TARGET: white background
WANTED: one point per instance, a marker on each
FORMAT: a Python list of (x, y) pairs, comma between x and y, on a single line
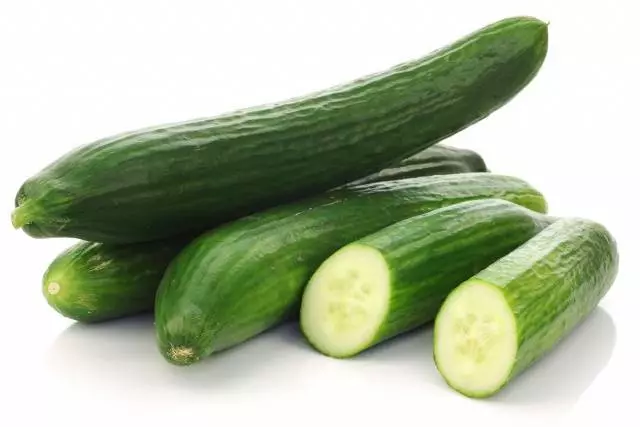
[(75, 71)]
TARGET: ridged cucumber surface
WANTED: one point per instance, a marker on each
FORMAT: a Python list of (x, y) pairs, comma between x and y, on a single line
[(187, 177), (495, 325), (240, 279), (436, 160), (93, 282), (394, 280)]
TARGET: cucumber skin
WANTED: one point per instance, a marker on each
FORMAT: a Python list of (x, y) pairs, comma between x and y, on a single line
[(436, 160), (245, 277), (187, 177), (130, 274), (429, 255), (552, 283), (102, 282)]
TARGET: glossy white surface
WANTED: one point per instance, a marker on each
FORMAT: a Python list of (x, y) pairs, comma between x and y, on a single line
[(75, 71)]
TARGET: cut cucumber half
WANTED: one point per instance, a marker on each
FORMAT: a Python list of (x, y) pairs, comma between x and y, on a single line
[(396, 279), (477, 339), (505, 318), (346, 301)]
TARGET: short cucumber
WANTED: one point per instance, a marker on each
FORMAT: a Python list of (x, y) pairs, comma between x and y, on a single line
[(395, 280), (436, 160), (496, 324), (247, 276), (188, 177), (93, 282)]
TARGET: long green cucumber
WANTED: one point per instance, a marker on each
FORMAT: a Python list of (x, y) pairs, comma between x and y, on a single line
[(394, 280), (504, 319), (247, 276), (436, 160), (91, 282), (190, 176)]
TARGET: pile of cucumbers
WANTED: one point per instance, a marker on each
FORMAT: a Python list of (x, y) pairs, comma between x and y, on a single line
[(341, 210)]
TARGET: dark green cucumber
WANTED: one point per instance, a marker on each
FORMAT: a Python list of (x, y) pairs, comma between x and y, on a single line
[(436, 160), (394, 280), (94, 282), (190, 176), (499, 322), (101, 281), (247, 276)]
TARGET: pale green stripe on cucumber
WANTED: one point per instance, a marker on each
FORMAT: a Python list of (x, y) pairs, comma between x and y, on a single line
[(395, 279), (495, 325)]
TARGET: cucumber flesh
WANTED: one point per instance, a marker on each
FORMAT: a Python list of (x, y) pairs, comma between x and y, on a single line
[(414, 263), (347, 301), (477, 339)]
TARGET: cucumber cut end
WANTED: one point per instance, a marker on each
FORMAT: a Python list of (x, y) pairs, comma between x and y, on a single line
[(346, 301), (475, 339)]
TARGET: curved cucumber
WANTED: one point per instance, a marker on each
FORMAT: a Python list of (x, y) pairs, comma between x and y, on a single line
[(496, 324), (395, 280), (93, 282), (247, 276), (436, 160), (187, 177)]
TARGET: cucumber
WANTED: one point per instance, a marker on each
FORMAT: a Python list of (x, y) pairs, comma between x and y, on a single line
[(186, 177), (93, 282), (436, 160), (246, 276), (394, 280), (498, 323)]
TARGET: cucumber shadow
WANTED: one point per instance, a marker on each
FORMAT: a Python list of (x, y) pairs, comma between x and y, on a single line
[(123, 353), (407, 357), (558, 379), (568, 370)]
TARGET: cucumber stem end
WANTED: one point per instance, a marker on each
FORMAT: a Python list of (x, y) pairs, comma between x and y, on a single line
[(20, 217), (180, 355)]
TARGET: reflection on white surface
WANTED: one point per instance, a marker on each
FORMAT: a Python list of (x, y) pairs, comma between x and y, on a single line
[(123, 355), (559, 379), (567, 371)]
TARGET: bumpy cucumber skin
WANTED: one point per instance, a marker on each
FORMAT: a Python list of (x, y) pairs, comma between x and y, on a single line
[(436, 160), (99, 281), (429, 255), (552, 283), (105, 281), (247, 276), (190, 176)]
